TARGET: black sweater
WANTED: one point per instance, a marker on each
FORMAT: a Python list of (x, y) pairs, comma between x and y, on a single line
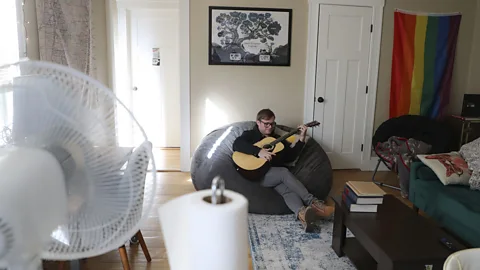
[(245, 142)]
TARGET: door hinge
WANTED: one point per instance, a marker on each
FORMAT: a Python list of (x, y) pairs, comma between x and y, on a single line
[(371, 28), (366, 90), (362, 147)]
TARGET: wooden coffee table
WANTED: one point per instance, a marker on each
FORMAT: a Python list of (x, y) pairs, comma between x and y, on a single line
[(395, 237)]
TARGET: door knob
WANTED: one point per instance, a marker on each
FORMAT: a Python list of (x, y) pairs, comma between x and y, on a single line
[(320, 99), (134, 88)]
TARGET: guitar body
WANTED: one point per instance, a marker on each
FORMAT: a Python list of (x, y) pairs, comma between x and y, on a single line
[(252, 167)]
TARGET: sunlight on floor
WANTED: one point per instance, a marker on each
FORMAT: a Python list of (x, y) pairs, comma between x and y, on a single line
[(167, 159)]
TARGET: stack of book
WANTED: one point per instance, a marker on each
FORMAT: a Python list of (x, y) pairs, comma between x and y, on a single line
[(362, 196)]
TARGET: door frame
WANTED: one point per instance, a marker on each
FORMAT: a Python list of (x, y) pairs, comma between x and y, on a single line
[(119, 66), (367, 162)]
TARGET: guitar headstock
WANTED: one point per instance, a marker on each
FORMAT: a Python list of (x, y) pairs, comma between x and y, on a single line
[(312, 124)]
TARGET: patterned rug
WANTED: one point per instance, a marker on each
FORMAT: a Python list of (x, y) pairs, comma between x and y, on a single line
[(278, 242)]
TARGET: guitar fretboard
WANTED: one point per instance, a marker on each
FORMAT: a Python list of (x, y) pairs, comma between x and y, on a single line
[(284, 137), (310, 124)]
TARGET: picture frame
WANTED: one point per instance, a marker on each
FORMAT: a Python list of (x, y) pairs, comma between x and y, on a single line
[(249, 36)]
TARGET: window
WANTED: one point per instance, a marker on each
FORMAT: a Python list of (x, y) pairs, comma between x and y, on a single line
[(10, 18), (9, 47)]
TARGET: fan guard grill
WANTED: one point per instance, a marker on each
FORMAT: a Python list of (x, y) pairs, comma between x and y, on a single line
[(67, 109), (6, 238)]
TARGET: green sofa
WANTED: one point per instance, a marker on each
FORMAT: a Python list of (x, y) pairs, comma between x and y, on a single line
[(455, 207)]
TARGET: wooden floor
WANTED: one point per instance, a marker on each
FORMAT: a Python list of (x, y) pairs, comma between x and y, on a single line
[(173, 184), (167, 159)]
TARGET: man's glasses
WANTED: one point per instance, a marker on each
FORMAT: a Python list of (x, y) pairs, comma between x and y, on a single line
[(268, 124)]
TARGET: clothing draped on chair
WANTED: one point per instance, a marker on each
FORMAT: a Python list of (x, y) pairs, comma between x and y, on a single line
[(422, 63), (399, 140)]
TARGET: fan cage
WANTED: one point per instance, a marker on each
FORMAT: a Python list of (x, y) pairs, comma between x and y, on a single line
[(75, 117)]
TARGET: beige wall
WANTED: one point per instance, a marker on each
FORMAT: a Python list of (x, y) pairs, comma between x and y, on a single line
[(474, 81), (99, 22), (99, 33), (464, 47), (237, 93)]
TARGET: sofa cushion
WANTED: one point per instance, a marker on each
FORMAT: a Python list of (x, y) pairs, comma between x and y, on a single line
[(424, 188), (459, 211), (425, 173), (467, 197)]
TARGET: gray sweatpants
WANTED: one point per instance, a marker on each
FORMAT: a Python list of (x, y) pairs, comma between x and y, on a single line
[(286, 184)]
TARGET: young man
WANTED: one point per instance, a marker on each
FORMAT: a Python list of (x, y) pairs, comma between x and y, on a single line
[(306, 207)]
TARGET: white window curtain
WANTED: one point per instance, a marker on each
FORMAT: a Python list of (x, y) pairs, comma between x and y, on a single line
[(65, 33)]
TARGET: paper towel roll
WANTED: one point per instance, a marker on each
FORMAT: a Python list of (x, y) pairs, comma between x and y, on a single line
[(200, 235)]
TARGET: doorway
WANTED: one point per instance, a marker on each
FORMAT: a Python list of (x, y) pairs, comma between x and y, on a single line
[(148, 78), (342, 44), (155, 76)]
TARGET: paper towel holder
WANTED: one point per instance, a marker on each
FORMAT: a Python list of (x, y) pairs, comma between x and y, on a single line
[(218, 184)]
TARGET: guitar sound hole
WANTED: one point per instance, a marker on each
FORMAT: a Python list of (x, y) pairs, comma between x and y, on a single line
[(268, 147)]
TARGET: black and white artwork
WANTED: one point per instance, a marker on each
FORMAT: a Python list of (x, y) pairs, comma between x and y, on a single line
[(250, 36)]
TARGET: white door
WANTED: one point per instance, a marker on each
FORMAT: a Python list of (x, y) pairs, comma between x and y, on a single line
[(341, 82), (155, 71)]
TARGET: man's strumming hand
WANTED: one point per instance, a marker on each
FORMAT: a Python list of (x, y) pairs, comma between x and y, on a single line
[(265, 154)]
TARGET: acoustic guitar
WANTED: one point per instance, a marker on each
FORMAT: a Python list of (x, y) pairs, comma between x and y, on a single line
[(254, 168)]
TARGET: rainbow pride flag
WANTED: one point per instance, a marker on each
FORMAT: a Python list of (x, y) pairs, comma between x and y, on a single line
[(422, 63)]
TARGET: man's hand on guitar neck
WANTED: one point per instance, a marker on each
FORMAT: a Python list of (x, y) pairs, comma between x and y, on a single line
[(265, 154), (303, 131)]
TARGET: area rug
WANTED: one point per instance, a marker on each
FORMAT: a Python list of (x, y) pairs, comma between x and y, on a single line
[(279, 242)]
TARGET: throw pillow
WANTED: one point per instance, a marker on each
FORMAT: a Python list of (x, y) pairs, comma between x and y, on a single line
[(471, 153), (450, 168), (475, 180)]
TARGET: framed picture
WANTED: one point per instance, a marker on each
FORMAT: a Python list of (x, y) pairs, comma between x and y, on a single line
[(250, 36)]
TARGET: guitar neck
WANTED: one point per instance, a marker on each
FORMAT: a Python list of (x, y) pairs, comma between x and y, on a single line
[(310, 124), (284, 137)]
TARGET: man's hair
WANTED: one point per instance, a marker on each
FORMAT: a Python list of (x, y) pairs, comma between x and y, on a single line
[(265, 114)]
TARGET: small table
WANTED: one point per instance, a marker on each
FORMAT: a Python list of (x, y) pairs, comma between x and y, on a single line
[(395, 237), (466, 128)]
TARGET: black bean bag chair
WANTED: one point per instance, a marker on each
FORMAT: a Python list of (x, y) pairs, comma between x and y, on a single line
[(214, 157)]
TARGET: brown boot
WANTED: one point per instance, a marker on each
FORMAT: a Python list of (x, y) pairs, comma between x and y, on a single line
[(322, 209), (307, 216)]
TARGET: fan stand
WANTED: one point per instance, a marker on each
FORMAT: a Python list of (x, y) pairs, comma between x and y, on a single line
[(123, 251), (79, 264), (73, 265)]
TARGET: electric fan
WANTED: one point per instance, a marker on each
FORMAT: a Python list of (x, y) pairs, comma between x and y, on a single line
[(70, 186)]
